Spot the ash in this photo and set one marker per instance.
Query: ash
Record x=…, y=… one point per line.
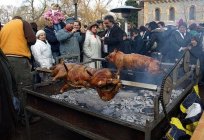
x=132, y=106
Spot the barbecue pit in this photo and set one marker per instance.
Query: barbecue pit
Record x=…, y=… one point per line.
x=138, y=111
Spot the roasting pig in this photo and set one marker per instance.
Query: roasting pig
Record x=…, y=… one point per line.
x=131, y=61
x=74, y=75
x=107, y=84
x=77, y=76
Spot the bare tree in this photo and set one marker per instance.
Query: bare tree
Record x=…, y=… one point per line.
x=5, y=14
x=67, y=7
x=31, y=11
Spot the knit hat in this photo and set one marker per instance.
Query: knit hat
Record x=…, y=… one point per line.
x=181, y=23
x=70, y=20
x=39, y=32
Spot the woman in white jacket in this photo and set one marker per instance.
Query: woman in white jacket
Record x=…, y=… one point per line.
x=92, y=46
x=42, y=51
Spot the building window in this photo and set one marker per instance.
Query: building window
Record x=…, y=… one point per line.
x=192, y=11
x=172, y=14
x=157, y=14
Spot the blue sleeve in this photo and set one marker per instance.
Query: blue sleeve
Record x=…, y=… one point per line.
x=63, y=35
x=79, y=37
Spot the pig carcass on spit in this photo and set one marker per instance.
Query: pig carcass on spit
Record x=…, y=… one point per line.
x=76, y=75
x=130, y=61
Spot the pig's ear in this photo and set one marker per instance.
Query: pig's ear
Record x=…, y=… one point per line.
x=61, y=61
x=115, y=50
x=52, y=68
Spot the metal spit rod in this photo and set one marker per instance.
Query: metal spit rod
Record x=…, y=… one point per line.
x=140, y=85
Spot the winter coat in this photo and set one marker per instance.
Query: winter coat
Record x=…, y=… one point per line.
x=146, y=38
x=156, y=41
x=55, y=15
x=42, y=54
x=126, y=48
x=69, y=42
x=178, y=41
x=52, y=39
x=114, y=38
x=137, y=45
x=167, y=41
x=92, y=48
x=8, y=89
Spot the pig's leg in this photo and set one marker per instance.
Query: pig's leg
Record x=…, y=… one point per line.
x=64, y=88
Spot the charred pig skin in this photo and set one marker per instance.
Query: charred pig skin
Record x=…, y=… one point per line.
x=78, y=76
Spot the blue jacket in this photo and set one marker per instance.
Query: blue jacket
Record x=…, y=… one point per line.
x=69, y=42
x=51, y=38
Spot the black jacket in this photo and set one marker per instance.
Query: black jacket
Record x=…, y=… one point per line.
x=137, y=45
x=126, y=48
x=156, y=36
x=115, y=38
x=177, y=42
x=51, y=38
x=8, y=89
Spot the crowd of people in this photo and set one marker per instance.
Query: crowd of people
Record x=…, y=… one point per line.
x=22, y=45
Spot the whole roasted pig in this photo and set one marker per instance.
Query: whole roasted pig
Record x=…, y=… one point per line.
x=130, y=61
x=106, y=83
x=77, y=76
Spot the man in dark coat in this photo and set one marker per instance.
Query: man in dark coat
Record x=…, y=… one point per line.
x=137, y=42
x=8, y=89
x=126, y=48
x=51, y=38
x=113, y=38
x=156, y=41
x=179, y=40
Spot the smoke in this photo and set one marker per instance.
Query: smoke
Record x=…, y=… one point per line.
x=142, y=76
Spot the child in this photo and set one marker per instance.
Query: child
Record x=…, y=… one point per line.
x=55, y=15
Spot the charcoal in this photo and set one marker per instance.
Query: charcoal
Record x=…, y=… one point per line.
x=131, y=106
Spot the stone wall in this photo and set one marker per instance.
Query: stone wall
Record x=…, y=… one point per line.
x=182, y=8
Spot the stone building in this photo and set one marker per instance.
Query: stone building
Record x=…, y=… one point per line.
x=170, y=11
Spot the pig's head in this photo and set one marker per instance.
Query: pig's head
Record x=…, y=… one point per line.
x=106, y=84
x=112, y=56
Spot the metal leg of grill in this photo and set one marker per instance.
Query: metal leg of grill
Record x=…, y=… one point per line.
x=27, y=125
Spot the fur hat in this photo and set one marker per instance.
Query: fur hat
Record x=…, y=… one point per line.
x=92, y=24
x=39, y=33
